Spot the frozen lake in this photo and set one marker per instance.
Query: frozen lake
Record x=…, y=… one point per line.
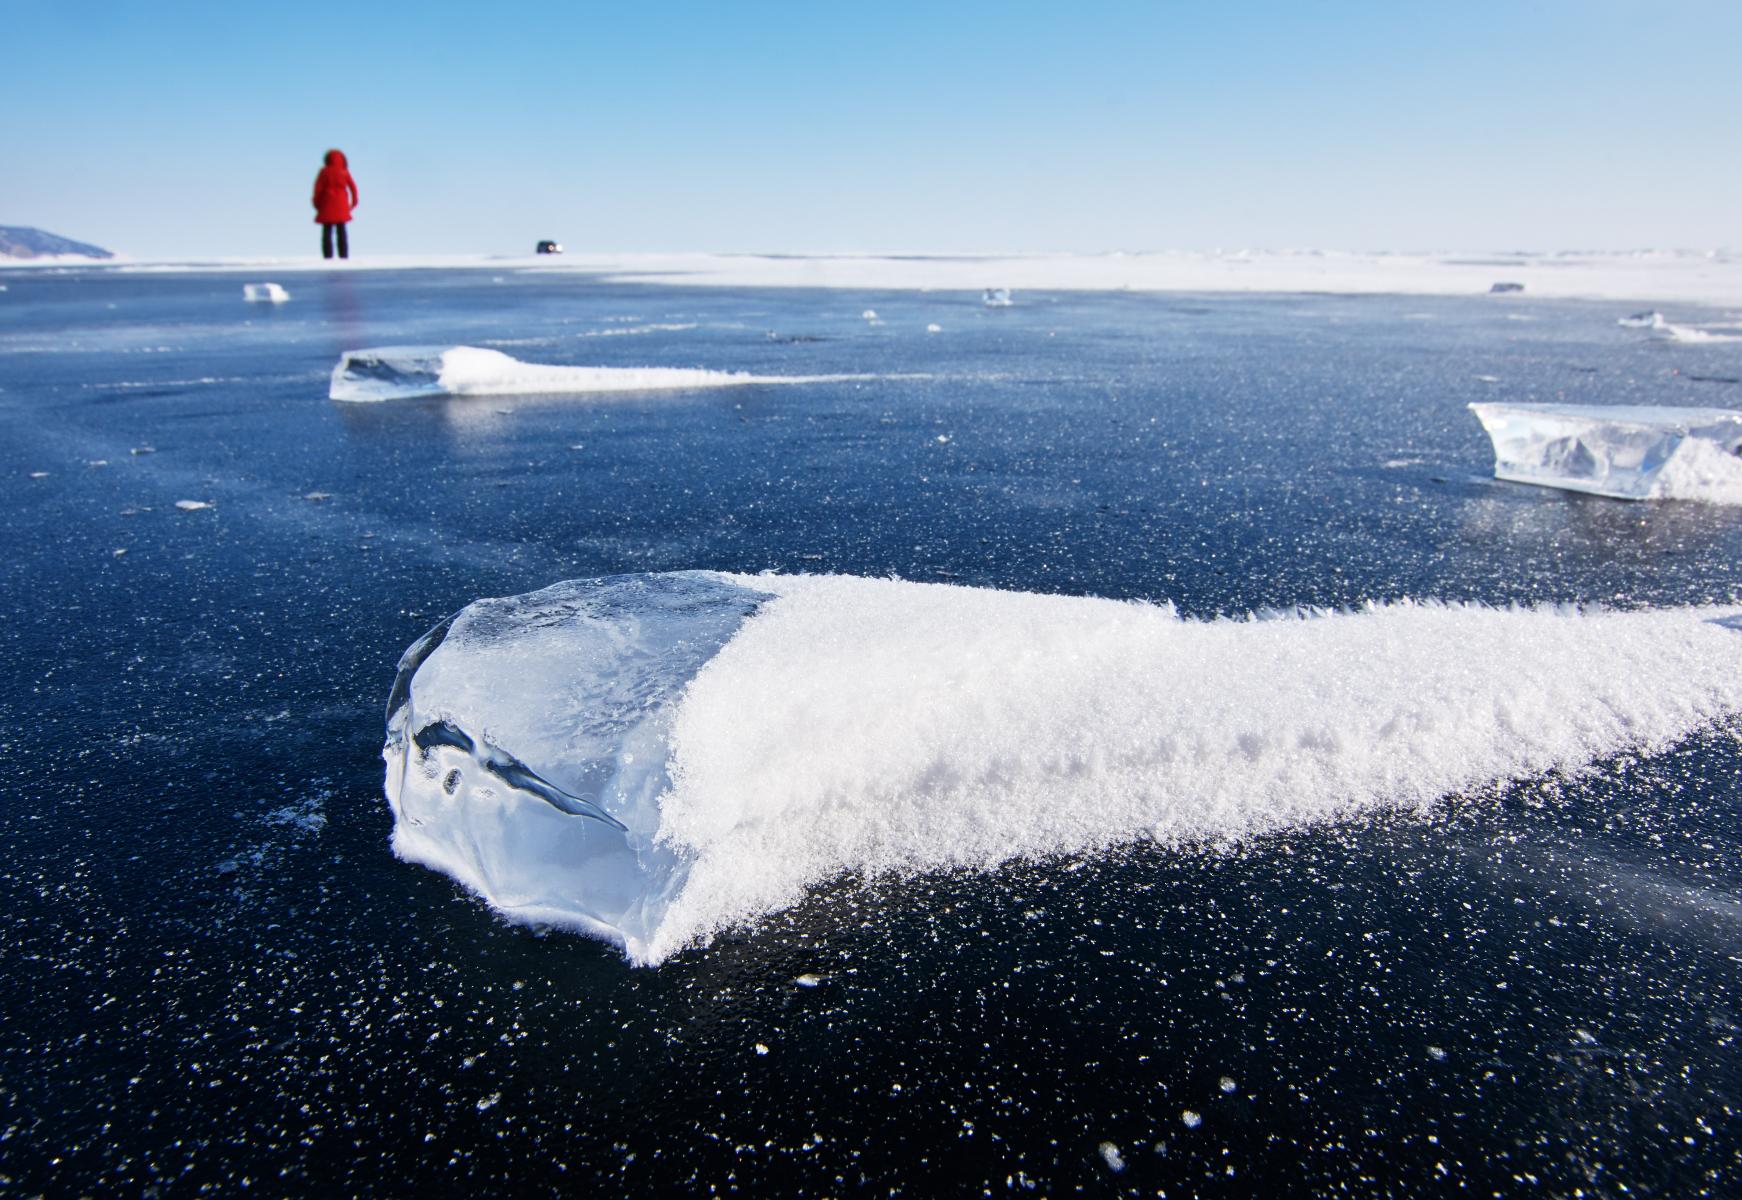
x=213, y=967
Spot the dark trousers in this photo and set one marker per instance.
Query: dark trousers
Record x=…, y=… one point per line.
x=327, y=241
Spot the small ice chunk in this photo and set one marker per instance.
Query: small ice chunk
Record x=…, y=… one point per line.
x=98, y=462
x=869, y=314
x=193, y=505
x=807, y=980
x=1190, y=1119
x=1649, y=319
x=761, y=1048
x=39, y=474
x=264, y=293
x=410, y=372
x=120, y=553
x=317, y=497
x=143, y=450
x=1228, y=1086
x=1436, y=1053
x=996, y=298
x=1628, y=452
x=934, y=328
x=1111, y=1156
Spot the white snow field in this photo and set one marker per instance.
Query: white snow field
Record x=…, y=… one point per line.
x=1708, y=277
x=409, y=372
x=1628, y=452
x=654, y=758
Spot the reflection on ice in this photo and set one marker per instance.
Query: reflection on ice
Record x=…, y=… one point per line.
x=1631, y=453
x=654, y=758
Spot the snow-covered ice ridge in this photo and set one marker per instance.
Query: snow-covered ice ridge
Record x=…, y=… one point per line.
x=408, y=372
x=1629, y=452
x=654, y=758
x=1709, y=277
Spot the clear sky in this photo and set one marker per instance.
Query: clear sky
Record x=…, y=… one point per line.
x=196, y=129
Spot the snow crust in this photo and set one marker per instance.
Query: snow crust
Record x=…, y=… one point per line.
x=409, y=372
x=654, y=758
x=1628, y=452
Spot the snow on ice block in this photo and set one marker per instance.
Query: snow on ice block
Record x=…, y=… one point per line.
x=1631, y=453
x=264, y=293
x=654, y=758
x=407, y=372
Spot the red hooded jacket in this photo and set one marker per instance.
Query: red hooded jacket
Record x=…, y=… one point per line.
x=335, y=191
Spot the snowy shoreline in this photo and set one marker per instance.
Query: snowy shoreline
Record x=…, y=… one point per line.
x=1709, y=277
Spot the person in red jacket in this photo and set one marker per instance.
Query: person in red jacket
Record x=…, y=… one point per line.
x=335, y=197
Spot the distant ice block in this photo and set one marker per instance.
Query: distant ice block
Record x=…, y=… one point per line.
x=654, y=758
x=264, y=293
x=1505, y=286
x=1654, y=322
x=1631, y=453
x=408, y=372
x=996, y=298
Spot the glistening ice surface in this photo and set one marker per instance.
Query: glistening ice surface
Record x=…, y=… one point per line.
x=213, y=968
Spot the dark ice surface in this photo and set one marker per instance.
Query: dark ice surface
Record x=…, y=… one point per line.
x=214, y=973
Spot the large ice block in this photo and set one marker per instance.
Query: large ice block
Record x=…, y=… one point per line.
x=527, y=744
x=654, y=758
x=1632, y=453
x=410, y=372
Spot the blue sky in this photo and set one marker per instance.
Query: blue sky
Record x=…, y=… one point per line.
x=194, y=129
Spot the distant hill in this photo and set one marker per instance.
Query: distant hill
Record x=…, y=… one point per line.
x=21, y=241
